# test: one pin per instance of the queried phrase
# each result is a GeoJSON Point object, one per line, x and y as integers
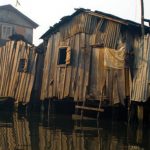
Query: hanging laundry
{"type": "Point", "coordinates": [114, 61]}
{"type": "Point", "coordinates": [114, 58]}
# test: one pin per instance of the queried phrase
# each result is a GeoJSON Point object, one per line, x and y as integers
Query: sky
{"type": "Point", "coordinates": [48, 12]}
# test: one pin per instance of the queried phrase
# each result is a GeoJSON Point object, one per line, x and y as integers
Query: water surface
{"type": "Point", "coordinates": [55, 132]}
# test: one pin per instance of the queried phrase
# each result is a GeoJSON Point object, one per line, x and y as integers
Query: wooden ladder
{"type": "Point", "coordinates": [88, 108]}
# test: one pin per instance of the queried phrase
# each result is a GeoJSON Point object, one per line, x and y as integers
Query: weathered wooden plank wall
{"type": "Point", "coordinates": [62, 81]}
{"type": "Point", "coordinates": [106, 33]}
{"type": "Point", "coordinates": [82, 23]}
{"type": "Point", "coordinates": [98, 74]}
{"type": "Point", "coordinates": [140, 84]}
{"type": "Point", "coordinates": [14, 83]}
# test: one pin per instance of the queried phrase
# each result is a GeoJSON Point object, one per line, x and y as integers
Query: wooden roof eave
{"type": "Point", "coordinates": [109, 18]}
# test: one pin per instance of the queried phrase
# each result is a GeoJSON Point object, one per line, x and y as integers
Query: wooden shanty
{"type": "Point", "coordinates": [91, 56]}
{"type": "Point", "coordinates": [17, 70]}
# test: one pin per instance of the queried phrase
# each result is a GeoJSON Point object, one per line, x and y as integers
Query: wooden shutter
{"type": "Point", "coordinates": [68, 55]}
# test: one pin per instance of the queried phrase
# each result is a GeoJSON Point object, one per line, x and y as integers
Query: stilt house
{"type": "Point", "coordinates": [91, 56]}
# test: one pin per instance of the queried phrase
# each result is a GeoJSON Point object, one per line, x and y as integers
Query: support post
{"type": "Point", "coordinates": [140, 108]}
{"type": "Point", "coordinates": [140, 113]}
{"type": "Point", "coordinates": [142, 18]}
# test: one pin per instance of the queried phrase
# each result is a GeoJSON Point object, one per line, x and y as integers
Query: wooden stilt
{"type": "Point", "coordinates": [140, 113]}
{"type": "Point", "coordinates": [99, 109]}
{"type": "Point", "coordinates": [48, 112]}
{"type": "Point", "coordinates": [139, 134]}
{"type": "Point", "coordinates": [82, 109]}
{"type": "Point", "coordinates": [100, 102]}
{"type": "Point", "coordinates": [16, 107]}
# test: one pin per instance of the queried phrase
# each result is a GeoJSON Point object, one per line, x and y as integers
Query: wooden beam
{"type": "Point", "coordinates": [109, 18]}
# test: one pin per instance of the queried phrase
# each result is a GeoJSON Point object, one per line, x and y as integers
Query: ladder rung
{"type": "Point", "coordinates": [87, 128]}
{"type": "Point", "coordinates": [90, 108]}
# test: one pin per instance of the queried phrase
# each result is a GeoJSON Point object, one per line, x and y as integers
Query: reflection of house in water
{"type": "Point", "coordinates": [32, 133]}
{"type": "Point", "coordinates": [15, 134]}
{"type": "Point", "coordinates": [12, 22]}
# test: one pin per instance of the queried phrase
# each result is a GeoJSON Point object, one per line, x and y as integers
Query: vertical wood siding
{"type": "Point", "coordinates": [140, 84]}
{"type": "Point", "coordinates": [13, 83]}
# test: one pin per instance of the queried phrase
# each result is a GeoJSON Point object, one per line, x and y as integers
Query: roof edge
{"type": "Point", "coordinates": [11, 8]}
{"type": "Point", "coordinates": [114, 18]}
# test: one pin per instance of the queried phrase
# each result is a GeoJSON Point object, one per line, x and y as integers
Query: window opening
{"type": "Point", "coordinates": [103, 26]}
{"type": "Point", "coordinates": [64, 55]}
{"type": "Point", "coordinates": [22, 64]}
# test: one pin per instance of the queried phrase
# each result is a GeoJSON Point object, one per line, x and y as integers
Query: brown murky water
{"type": "Point", "coordinates": [55, 132]}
